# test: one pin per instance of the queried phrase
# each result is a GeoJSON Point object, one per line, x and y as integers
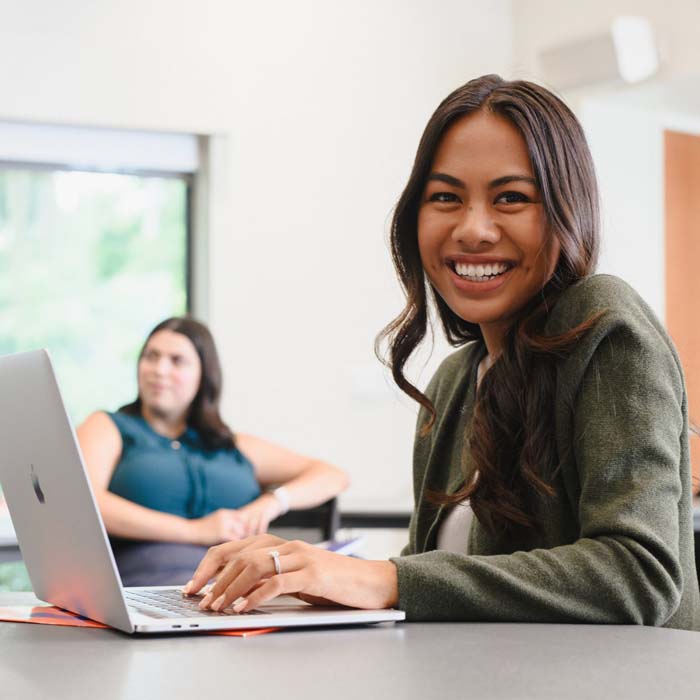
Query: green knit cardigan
{"type": "Point", "coordinates": [616, 542]}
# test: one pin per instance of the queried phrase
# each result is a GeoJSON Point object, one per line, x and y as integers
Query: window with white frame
{"type": "Point", "coordinates": [94, 240]}
{"type": "Point", "coordinates": [94, 251]}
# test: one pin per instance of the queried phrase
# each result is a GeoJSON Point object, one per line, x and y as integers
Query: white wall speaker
{"type": "Point", "coordinates": [626, 52]}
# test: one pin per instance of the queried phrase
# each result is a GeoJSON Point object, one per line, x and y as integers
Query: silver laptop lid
{"type": "Point", "coordinates": [63, 541]}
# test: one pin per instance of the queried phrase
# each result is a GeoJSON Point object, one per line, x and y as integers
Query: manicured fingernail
{"type": "Point", "coordinates": [205, 601]}
{"type": "Point", "coordinates": [187, 587]}
{"type": "Point", "coordinates": [218, 603]}
{"type": "Point", "coordinates": [239, 604]}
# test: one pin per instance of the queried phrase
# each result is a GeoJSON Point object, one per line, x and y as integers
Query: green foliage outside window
{"type": "Point", "coordinates": [89, 263]}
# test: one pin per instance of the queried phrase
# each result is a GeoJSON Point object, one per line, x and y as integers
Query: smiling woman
{"type": "Point", "coordinates": [551, 470]}
{"type": "Point", "coordinates": [483, 237]}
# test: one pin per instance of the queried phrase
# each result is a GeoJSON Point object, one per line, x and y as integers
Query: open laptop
{"type": "Point", "coordinates": [62, 537]}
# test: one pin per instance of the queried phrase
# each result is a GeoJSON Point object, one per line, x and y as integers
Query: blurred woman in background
{"type": "Point", "coordinates": [171, 478]}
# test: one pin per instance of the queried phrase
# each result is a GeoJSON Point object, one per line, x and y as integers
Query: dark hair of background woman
{"type": "Point", "coordinates": [510, 440]}
{"type": "Point", "coordinates": [203, 414]}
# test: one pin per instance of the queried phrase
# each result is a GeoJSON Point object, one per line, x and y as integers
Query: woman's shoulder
{"type": "Point", "coordinates": [98, 431]}
{"type": "Point", "coordinates": [625, 329]}
{"type": "Point", "coordinates": [617, 302]}
{"type": "Point", "coordinates": [100, 423]}
{"type": "Point", "coordinates": [129, 425]}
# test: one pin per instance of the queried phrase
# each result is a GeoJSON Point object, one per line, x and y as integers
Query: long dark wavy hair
{"type": "Point", "coordinates": [203, 414]}
{"type": "Point", "coordinates": [510, 439]}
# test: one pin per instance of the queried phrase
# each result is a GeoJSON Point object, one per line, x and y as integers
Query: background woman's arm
{"type": "Point", "coordinates": [307, 482]}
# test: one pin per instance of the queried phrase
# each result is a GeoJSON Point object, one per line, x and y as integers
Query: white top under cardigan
{"type": "Point", "coordinates": [453, 535]}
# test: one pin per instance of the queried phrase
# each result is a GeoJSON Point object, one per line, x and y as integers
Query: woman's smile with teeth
{"type": "Point", "coordinates": [480, 272]}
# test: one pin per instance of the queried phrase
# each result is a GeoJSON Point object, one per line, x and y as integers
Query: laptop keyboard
{"type": "Point", "coordinates": [171, 603]}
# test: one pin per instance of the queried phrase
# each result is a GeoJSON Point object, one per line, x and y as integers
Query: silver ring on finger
{"type": "Point", "coordinates": [276, 559]}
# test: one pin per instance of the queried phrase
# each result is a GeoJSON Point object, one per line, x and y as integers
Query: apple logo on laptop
{"type": "Point", "coordinates": [37, 486]}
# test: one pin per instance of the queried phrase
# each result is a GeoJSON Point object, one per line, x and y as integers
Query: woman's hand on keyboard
{"type": "Point", "coordinates": [246, 576]}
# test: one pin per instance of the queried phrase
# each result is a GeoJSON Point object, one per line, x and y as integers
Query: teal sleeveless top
{"type": "Point", "coordinates": [179, 476]}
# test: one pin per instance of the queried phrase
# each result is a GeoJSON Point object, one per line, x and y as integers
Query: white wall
{"type": "Point", "coordinates": [624, 124]}
{"type": "Point", "coordinates": [318, 107]}
{"type": "Point", "coordinates": [626, 134]}
{"type": "Point", "coordinates": [627, 147]}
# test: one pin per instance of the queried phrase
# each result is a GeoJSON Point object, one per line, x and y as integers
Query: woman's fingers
{"type": "Point", "coordinates": [214, 560]}
{"type": "Point", "coordinates": [282, 584]}
{"type": "Point", "coordinates": [238, 525]}
{"type": "Point", "coordinates": [242, 576]}
{"type": "Point", "coordinates": [259, 526]}
{"type": "Point", "coordinates": [228, 574]}
{"type": "Point", "coordinates": [263, 525]}
{"type": "Point", "coordinates": [237, 579]}
{"type": "Point", "coordinates": [254, 525]}
{"type": "Point", "coordinates": [217, 558]}
{"type": "Point", "coordinates": [235, 530]}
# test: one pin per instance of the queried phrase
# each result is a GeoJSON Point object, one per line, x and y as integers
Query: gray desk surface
{"type": "Point", "coordinates": [402, 661]}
